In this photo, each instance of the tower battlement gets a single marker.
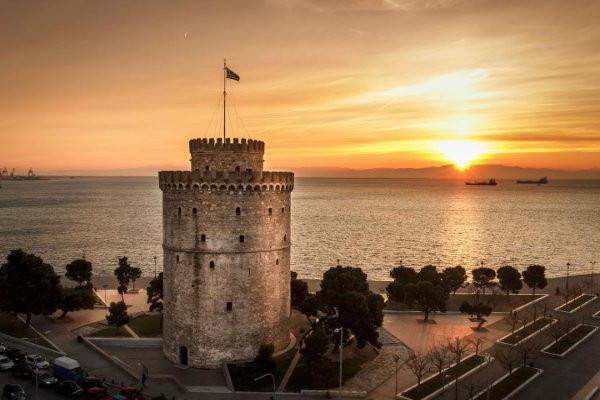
(209, 154)
(226, 181)
(234, 144)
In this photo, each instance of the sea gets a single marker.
(374, 224)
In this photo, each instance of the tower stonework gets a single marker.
(226, 244)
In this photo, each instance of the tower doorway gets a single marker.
(183, 356)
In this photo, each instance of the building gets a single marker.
(226, 241)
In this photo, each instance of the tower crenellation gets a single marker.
(226, 243)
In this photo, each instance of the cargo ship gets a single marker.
(542, 181)
(491, 182)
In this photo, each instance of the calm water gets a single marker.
(371, 223)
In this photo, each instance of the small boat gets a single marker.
(542, 181)
(491, 182)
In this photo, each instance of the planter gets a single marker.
(536, 372)
(404, 396)
(597, 315)
(546, 349)
(578, 303)
(550, 322)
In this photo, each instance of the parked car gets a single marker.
(97, 393)
(69, 389)
(6, 363)
(22, 370)
(3, 348)
(17, 355)
(66, 368)
(131, 393)
(90, 382)
(13, 392)
(44, 378)
(35, 360)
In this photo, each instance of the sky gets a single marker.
(115, 85)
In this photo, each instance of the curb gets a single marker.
(28, 343)
(499, 341)
(593, 298)
(516, 390)
(40, 334)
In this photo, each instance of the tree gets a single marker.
(558, 329)
(123, 274)
(117, 314)
(478, 309)
(528, 349)
(28, 285)
(155, 293)
(418, 363)
(402, 276)
(134, 274)
(429, 273)
(510, 279)
(507, 357)
(298, 290)
(264, 358)
(310, 307)
(458, 347)
(440, 357)
(315, 346)
(483, 278)
(453, 278)
(74, 299)
(430, 297)
(345, 290)
(80, 271)
(476, 342)
(535, 277)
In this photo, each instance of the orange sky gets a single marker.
(359, 84)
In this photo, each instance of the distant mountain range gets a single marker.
(450, 172)
(482, 172)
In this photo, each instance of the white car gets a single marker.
(6, 363)
(36, 361)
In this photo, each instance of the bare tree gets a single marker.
(528, 349)
(558, 329)
(458, 347)
(440, 358)
(507, 357)
(476, 342)
(419, 364)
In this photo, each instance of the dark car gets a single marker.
(13, 392)
(22, 370)
(97, 393)
(44, 378)
(17, 355)
(69, 389)
(90, 382)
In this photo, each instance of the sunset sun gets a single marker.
(462, 152)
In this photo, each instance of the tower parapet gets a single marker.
(227, 155)
(226, 244)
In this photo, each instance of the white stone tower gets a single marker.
(226, 243)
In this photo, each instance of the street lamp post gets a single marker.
(396, 360)
(341, 330)
(154, 267)
(567, 284)
(593, 264)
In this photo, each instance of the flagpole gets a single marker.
(224, 94)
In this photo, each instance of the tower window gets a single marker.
(229, 306)
(277, 262)
(285, 238)
(212, 264)
(177, 258)
(194, 211)
(179, 211)
(238, 211)
(282, 210)
(270, 211)
(207, 168)
(203, 238)
(237, 169)
(242, 238)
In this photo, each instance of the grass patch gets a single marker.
(576, 302)
(527, 330)
(503, 388)
(567, 341)
(111, 331)
(437, 381)
(243, 375)
(12, 326)
(147, 325)
(499, 302)
(301, 377)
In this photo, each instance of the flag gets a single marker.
(231, 74)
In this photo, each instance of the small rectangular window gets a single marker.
(229, 306)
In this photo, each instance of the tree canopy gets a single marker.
(402, 276)
(80, 271)
(483, 278)
(28, 285)
(428, 296)
(74, 299)
(117, 314)
(509, 279)
(298, 290)
(155, 293)
(453, 278)
(535, 277)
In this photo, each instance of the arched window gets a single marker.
(177, 258)
(277, 262)
(270, 211)
(285, 238)
(242, 238)
(282, 210)
(238, 211)
(203, 238)
(212, 264)
(194, 211)
(179, 211)
(207, 168)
